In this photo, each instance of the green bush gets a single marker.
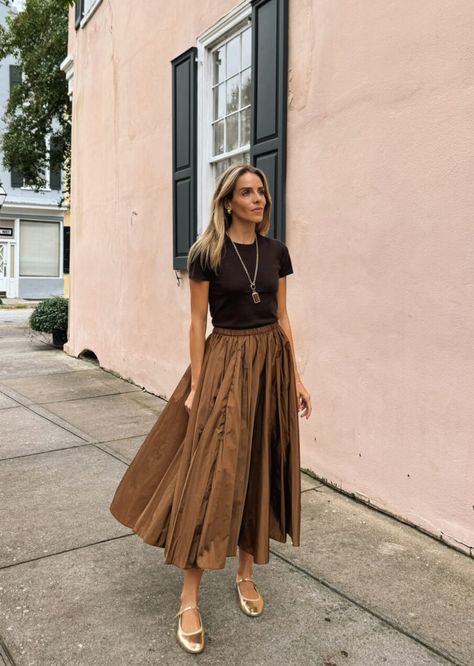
(50, 315)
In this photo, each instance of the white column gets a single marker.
(16, 235)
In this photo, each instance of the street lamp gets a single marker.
(3, 194)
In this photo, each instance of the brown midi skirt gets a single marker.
(227, 473)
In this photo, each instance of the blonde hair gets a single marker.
(208, 246)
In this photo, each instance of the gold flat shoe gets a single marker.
(251, 607)
(191, 641)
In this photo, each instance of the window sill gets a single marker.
(42, 189)
(42, 277)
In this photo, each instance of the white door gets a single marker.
(4, 272)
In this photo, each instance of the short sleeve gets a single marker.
(285, 262)
(197, 272)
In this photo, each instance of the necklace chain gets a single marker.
(252, 283)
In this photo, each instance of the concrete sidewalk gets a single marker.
(78, 588)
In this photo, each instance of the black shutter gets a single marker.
(54, 164)
(184, 117)
(66, 247)
(16, 178)
(269, 101)
(79, 13)
(15, 79)
(15, 76)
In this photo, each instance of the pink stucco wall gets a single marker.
(379, 207)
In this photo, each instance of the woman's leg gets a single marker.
(190, 597)
(245, 571)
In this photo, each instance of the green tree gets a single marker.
(37, 38)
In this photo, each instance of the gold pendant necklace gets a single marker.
(255, 294)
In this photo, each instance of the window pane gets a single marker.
(219, 65)
(232, 94)
(219, 101)
(220, 167)
(39, 248)
(219, 137)
(246, 88)
(231, 101)
(244, 127)
(232, 131)
(246, 48)
(233, 56)
(236, 158)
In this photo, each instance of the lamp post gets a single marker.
(3, 194)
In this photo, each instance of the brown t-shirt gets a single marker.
(230, 296)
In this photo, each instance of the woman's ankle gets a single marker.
(245, 568)
(244, 574)
(190, 591)
(189, 599)
(244, 571)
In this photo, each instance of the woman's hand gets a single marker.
(304, 399)
(189, 400)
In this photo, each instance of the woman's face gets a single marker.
(248, 199)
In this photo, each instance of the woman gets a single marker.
(220, 469)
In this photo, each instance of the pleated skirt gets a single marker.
(227, 473)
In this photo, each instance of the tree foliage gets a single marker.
(37, 38)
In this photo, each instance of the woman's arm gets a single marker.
(199, 290)
(304, 399)
(284, 320)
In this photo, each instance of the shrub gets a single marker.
(50, 315)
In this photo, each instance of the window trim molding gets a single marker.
(67, 66)
(205, 42)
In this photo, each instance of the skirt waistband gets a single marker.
(245, 331)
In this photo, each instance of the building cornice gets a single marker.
(36, 211)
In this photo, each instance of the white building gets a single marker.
(33, 246)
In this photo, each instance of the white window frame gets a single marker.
(206, 41)
(90, 12)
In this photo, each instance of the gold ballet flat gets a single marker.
(251, 607)
(191, 641)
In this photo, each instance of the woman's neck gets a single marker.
(242, 234)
